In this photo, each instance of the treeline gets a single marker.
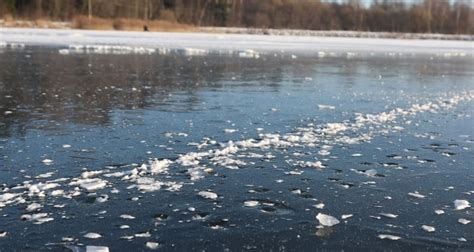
(422, 16)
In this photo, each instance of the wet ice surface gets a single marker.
(180, 151)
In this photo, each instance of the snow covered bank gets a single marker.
(345, 34)
(233, 42)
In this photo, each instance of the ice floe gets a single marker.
(461, 204)
(327, 220)
(92, 235)
(389, 237)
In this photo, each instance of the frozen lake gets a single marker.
(256, 149)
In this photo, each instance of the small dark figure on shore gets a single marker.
(145, 28)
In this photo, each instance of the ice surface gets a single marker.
(245, 45)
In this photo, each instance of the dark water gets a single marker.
(111, 113)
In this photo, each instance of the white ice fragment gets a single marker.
(389, 237)
(208, 195)
(32, 207)
(230, 130)
(127, 216)
(321, 106)
(90, 174)
(65, 146)
(346, 216)
(439, 211)
(92, 235)
(124, 227)
(357, 155)
(152, 245)
(416, 195)
(462, 239)
(97, 249)
(327, 220)
(159, 166)
(464, 221)
(251, 203)
(461, 204)
(90, 184)
(67, 239)
(7, 196)
(57, 193)
(389, 215)
(319, 206)
(428, 228)
(143, 234)
(3, 233)
(47, 161)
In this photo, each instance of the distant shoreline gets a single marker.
(246, 31)
(193, 43)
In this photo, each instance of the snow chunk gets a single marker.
(8, 196)
(464, 221)
(32, 207)
(160, 166)
(90, 184)
(251, 203)
(327, 220)
(346, 216)
(439, 211)
(47, 161)
(127, 217)
(461, 204)
(389, 237)
(428, 228)
(208, 195)
(152, 245)
(322, 106)
(92, 236)
(97, 249)
(416, 195)
(389, 215)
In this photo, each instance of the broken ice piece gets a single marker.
(92, 235)
(461, 204)
(428, 228)
(416, 195)
(208, 195)
(389, 237)
(327, 220)
(439, 211)
(152, 245)
(97, 249)
(346, 216)
(319, 206)
(47, 161)
(251, 203)
(32, 207)
(464, 221)
(389, 215)
(127, 216)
